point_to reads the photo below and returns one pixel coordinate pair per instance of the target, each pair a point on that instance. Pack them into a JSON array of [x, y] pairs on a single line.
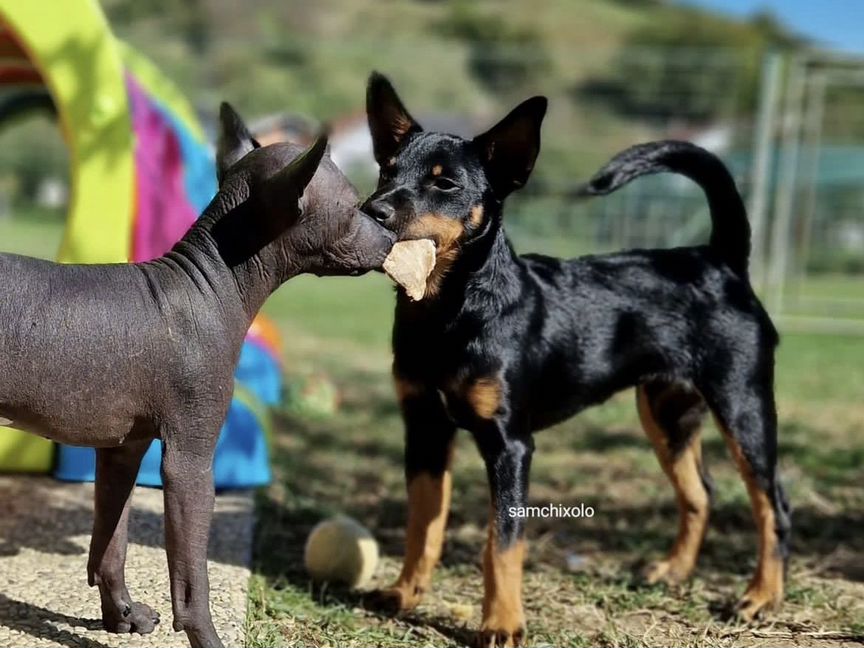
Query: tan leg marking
[[406, 389], [683, 470], [503, 617], [428, 505], [484, 396], [765, 590]]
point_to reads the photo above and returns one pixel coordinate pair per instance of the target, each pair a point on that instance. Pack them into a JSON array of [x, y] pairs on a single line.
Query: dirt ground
[[44, 539]]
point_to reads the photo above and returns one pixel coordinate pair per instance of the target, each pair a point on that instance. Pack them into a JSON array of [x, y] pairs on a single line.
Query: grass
[[351, 463], [35, 232], [827, 295]]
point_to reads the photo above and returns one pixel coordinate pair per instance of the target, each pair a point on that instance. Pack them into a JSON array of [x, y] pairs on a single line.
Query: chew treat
[[409, 264]]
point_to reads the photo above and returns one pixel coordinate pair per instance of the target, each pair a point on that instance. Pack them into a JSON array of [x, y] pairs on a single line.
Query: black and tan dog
[[114, 356], [504, 345]]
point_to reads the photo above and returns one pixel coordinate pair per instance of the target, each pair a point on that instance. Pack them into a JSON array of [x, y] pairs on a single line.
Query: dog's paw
[[665, 571], [393, 600], [753, 605], [136, 617], [495, 635]]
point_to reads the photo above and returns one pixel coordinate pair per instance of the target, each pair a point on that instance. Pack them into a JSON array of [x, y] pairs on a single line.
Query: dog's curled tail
[[730, 229]]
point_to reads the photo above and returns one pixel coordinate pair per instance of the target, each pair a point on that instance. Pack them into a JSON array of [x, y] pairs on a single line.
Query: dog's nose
[[380, 211]]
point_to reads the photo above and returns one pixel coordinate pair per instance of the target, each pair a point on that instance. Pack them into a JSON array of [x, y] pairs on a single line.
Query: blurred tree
[[31, 152], [504, 57], [186, 17], [843, 118], [692, 66], [641, 3]]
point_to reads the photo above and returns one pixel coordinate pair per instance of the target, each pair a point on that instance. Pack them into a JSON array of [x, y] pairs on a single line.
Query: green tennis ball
[[341, 550]]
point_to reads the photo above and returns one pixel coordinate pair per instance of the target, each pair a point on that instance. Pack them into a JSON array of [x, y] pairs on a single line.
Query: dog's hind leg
[[116, 470], [743, 404], [671, 415], [429, 435]]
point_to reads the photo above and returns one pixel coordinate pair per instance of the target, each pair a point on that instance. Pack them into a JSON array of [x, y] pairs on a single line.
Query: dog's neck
[[236, 258], [484, 271], [491, 257]]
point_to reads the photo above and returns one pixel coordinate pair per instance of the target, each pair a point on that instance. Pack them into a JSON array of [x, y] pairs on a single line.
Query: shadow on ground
[[324, 455], [352, 464], [40, 623], [46, 521], [44, 598]]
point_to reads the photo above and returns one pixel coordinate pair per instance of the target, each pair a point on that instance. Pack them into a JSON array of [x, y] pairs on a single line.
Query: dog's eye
[[444, 184]]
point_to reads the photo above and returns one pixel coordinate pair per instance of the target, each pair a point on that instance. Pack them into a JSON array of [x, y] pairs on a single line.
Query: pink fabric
[[162, 212]]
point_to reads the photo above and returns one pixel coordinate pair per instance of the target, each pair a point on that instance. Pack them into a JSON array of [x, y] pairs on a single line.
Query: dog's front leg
[[116, 470], [187, 476], [507, 454], [429, 435]]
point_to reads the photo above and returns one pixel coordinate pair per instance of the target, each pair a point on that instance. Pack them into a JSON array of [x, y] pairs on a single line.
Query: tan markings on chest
[[482, 395], [406, 389], [446, 233]]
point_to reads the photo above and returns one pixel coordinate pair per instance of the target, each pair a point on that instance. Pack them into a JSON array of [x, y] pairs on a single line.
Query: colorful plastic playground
[[141, 172]]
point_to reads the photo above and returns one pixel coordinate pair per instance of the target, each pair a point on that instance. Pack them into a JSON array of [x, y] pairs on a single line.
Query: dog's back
[[618, 319], [107, 338]]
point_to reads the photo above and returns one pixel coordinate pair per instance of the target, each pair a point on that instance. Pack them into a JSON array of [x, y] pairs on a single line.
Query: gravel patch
[[44, 538]]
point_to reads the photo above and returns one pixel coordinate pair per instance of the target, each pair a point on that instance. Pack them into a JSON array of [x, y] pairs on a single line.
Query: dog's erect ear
[[235, 140], [389, 122], [290, 182], [509, 149]]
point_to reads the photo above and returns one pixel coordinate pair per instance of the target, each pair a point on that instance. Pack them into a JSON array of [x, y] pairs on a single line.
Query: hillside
[[470, 58], [616, 71]]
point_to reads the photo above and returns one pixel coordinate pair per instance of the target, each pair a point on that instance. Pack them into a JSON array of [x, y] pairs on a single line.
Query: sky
[[838, 24]]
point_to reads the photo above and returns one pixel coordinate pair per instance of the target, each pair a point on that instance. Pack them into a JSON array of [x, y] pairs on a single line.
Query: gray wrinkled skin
[[114, 356]]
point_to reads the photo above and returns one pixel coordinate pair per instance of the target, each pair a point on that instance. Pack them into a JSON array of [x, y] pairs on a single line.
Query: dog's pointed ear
[[235, 140], [300, 171], [389, 122], [509, 149]]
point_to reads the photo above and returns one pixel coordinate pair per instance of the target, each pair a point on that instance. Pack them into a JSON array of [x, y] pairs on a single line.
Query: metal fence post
[[761, 172], [781, 230]]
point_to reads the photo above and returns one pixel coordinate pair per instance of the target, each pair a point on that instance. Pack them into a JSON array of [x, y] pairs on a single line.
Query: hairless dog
[[114, 356]]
